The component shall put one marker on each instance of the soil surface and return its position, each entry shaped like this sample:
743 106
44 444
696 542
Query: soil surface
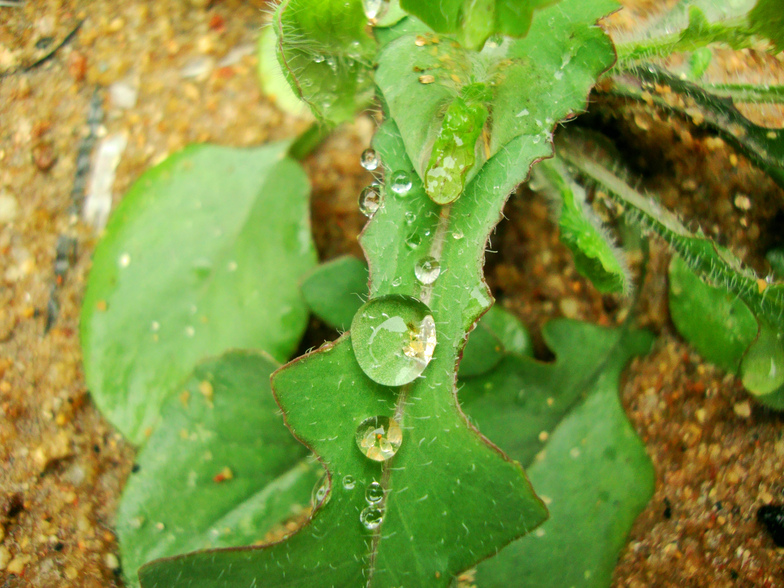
192 66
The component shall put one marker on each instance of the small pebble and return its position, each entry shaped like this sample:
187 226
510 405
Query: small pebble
111 561
9 209
17 565
5 557
742 409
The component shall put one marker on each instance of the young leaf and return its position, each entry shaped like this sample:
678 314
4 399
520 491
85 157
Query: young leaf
271 77
527 84
565 423
326 55
203 254
719 325
225 457
762 370
595 255
473 21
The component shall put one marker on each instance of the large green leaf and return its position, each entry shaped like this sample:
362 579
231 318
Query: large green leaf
438 92
221 472
203 254
473 21
326 55
565 422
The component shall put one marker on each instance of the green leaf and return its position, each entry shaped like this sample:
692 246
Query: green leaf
764 146
719 325
474 21
595 255
438 92
326 55
767 19
271 78
747 93
775 258
444 478
203 254
566 423
335 290
762 370
221 472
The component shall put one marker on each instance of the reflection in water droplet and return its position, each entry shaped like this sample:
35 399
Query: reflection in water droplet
349 482
400 183
427 270
457 235
379 438
393 339
370 200
375 9
320 493
318 58
374 493
371 517
369 159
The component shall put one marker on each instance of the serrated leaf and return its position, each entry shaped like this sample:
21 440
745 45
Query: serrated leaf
222 471
473 21
203 254
720 326
527 84
764 146
590 467
335 290
326 55
595 255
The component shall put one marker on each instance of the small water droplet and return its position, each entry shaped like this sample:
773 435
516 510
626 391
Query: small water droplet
374 493
349 482
375 9
369 159
320 493
397 281
457 235
318 58
370 200
371 517
190 331
155 326
393 339
410 217
400 183
427 270
125 260
413 240
379 438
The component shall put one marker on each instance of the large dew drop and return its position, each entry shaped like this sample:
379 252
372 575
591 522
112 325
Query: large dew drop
379 438
427 270
369 160
400 183
393 339
370 200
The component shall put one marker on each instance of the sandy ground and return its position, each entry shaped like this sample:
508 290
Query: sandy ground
717 455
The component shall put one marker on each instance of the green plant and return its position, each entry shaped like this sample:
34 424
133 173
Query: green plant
410 492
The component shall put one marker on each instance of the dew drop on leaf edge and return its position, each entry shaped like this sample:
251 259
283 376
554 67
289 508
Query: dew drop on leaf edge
369 159
393 338
375 9
379 438
370 200
320 493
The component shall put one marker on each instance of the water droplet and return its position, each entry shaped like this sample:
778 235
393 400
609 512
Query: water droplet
125 260
400 183
349 482
370 200
397 281
457 235
318 58
320 493
371 517
379 438
427 270
375 9
413 240
374 493
410 217
369 159
393 339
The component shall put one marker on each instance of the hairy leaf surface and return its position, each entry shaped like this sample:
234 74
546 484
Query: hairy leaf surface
222 471
564 422
181 274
